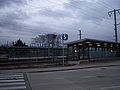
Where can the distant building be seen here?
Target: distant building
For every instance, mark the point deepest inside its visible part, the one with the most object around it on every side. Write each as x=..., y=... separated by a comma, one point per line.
x=19, y=43
x=92, y=49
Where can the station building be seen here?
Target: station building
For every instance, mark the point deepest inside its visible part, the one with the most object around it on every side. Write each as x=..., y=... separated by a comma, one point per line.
x=91, y=49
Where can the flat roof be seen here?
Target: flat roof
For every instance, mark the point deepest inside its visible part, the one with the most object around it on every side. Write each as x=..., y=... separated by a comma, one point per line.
x=87, y=39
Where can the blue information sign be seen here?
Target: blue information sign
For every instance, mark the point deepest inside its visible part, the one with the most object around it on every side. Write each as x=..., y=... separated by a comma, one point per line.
x=64, y=36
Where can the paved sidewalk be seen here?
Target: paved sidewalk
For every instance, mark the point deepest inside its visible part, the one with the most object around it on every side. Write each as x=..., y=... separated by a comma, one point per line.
x=54, y=69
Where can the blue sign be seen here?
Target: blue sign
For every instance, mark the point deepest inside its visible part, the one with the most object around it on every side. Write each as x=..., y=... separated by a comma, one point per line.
x=64, y=36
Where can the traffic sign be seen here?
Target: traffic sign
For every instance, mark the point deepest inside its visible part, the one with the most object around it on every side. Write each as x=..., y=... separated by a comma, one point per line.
x=64, y=36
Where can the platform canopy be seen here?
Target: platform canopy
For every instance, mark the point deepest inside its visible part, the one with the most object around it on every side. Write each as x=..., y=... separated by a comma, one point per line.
x=94, y=43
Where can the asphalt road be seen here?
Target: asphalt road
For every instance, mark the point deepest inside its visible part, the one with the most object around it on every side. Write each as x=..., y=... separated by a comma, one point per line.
x=107, y=78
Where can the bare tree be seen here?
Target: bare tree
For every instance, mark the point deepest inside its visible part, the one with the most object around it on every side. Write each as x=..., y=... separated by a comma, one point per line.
x=47, y=40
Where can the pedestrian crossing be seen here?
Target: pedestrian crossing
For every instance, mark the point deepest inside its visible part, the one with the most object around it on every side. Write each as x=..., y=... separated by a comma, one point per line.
x=12, y=82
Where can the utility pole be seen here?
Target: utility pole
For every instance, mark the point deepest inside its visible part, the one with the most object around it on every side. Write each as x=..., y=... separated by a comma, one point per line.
x=80, y=34
x=7, y=43
x=115, y=20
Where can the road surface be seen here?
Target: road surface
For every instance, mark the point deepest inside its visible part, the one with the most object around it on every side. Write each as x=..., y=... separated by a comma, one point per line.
x=103, y=78
x=14, y=81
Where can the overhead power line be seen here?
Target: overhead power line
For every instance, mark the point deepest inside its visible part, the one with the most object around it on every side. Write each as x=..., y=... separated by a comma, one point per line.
x=84, y=11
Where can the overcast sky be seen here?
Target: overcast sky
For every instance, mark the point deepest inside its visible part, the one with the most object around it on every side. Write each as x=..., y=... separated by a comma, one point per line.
x=26, y=19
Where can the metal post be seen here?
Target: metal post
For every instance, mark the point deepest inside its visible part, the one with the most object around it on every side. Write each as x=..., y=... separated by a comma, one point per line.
x=64, y=37
x=80, y=34
x=115, y=17
x=48, y=51
x=63, y=52
x=115, y=26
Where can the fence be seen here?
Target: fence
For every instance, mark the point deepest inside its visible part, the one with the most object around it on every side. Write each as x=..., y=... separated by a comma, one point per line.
x=30, y=56
x=17, y=52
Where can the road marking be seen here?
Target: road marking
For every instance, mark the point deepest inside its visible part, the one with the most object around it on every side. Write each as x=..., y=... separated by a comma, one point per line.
x=3, y=75
x=110, y=87
x=13, y=88
x=12, y=82
x=7, y=78
x=19, y=83
x=4, y=81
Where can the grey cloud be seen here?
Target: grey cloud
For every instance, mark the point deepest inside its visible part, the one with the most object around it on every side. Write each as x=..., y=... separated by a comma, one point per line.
x=56, y=13
x=9, y=20
x=75, y=3
x=90, y=10
x=84, y=9
x=9, y=2
x=112, y=3
x=91, y=16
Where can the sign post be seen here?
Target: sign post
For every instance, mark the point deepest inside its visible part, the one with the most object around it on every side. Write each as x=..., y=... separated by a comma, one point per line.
x=64, y=37
x=63, y=52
